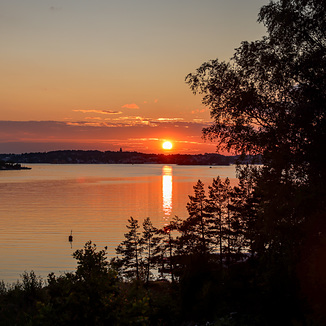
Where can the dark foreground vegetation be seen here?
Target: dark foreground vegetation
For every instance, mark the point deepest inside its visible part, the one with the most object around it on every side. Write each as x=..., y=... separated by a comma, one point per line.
x=253, y=254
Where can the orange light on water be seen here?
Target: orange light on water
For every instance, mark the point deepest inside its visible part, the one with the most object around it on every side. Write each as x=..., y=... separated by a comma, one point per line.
x=167, y=190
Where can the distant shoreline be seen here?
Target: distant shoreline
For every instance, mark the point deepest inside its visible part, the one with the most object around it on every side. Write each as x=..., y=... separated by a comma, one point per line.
x=121, y=157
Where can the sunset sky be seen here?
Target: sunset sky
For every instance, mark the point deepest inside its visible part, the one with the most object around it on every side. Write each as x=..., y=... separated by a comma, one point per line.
x=105, y=74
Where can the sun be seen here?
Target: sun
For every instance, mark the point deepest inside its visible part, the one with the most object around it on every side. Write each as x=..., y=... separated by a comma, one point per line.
x=167, y=145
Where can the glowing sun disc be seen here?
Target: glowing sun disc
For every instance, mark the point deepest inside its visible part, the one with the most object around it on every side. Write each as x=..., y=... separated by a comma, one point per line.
x=167, y=145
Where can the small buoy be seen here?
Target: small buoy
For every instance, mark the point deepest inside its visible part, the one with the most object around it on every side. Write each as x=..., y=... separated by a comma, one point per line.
x=70, y=237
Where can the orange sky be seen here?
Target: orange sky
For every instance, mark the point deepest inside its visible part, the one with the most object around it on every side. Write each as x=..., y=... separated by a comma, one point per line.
x=109, y=74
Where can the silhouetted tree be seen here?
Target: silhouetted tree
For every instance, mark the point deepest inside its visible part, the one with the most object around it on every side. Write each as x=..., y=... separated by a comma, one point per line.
x=171, y=248
x=91, y=263
x=195, y=232
x=150, y=241
x=90, y=296
x=271, y=100
x=218, y=208
x=131, y=250
x=244, y=210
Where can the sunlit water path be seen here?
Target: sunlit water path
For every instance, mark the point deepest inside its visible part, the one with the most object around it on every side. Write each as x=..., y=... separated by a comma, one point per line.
x=40, y=207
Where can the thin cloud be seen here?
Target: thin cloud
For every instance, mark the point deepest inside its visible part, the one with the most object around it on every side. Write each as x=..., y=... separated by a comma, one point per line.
x=93, y=118
x=145, y=139
x=85, y=124
x=170, y=119
x=130, y=106
x=134, y=120
x=94, y=124
x=199, y=111
x=111, y=112
x=99, y=111
x=188, y=142
x=130, y=118
x=131, y=133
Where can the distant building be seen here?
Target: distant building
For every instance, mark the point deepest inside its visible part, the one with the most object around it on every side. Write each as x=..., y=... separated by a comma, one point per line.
x=120, y=150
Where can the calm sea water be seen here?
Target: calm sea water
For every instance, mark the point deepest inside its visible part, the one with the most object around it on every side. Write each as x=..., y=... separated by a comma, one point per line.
x=40, y=207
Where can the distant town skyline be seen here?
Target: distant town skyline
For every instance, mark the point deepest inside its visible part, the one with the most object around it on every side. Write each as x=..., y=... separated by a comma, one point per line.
x=110, y=74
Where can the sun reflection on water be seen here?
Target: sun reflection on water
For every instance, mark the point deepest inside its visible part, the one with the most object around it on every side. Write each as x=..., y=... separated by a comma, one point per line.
x=167, y=190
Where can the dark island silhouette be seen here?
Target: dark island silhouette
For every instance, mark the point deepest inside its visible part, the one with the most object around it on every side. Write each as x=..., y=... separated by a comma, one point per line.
x=12, y=166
